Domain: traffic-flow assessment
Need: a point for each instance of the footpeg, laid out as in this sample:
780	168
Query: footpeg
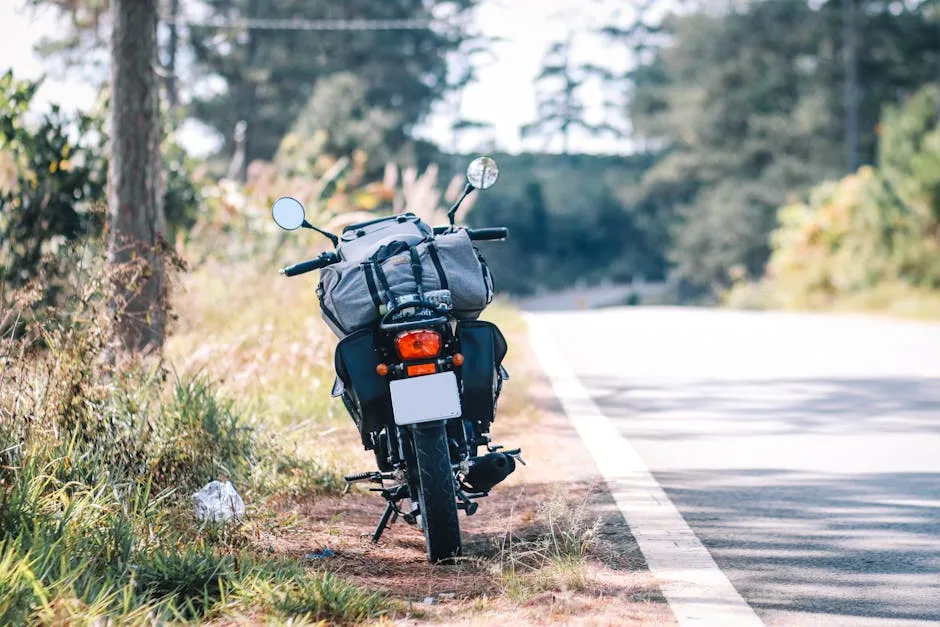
362	476
372	477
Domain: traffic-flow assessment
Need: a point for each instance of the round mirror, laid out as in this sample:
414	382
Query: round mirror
482	172
288	213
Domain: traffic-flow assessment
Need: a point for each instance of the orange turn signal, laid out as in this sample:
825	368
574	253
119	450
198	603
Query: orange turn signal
457	359
420	344
381	370
419	369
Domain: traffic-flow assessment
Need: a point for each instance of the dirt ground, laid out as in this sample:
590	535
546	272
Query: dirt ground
617	588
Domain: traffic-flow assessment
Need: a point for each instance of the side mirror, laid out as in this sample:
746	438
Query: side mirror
482	172
288	213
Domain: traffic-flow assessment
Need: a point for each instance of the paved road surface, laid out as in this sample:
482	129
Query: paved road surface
803	450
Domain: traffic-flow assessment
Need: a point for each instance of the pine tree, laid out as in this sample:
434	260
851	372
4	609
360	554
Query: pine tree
559	107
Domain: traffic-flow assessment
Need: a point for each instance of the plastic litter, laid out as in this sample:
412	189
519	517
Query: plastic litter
218	501
320	555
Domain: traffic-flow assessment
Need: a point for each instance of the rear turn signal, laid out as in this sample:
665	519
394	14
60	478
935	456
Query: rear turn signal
420	344
414	371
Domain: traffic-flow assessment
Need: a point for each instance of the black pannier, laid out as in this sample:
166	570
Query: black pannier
365	393
483	347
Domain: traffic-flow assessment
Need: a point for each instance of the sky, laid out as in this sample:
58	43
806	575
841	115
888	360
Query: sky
505	94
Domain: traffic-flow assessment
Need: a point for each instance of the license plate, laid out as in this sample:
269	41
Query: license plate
427	398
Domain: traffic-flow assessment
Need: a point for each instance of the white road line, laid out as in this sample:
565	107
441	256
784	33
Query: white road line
696	589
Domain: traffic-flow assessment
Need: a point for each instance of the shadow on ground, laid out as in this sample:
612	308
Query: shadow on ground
865	546
772	407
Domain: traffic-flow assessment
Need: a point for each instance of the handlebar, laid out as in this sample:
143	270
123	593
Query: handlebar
496	233
489	234
325	259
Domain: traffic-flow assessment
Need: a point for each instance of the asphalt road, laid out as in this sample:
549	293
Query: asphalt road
803	450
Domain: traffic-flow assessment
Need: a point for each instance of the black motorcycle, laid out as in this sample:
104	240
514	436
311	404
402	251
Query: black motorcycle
417	372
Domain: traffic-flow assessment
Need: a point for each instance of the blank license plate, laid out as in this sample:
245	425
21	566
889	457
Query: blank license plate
427	398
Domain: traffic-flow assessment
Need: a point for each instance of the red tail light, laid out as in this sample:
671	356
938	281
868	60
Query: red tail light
421	344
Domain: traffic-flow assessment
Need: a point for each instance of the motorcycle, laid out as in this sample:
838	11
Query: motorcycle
420	376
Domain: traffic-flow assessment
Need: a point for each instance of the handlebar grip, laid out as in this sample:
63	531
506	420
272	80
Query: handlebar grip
495	233
322	261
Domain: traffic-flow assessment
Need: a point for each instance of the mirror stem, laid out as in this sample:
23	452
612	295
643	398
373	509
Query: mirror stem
453	210
325	234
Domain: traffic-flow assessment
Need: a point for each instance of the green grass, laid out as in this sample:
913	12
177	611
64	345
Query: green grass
99	456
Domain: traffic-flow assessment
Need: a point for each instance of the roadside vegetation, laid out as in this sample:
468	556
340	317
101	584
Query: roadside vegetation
867	242
98	457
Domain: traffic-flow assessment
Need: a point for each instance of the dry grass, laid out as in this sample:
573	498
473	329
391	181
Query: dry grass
896	300
552	555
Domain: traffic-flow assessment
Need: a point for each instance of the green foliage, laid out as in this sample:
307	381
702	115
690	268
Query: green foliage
270	74
182	198
52	180
191	579
570	220
878	227
747	109
338	121
326	597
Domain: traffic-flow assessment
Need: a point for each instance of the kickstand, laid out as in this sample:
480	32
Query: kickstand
383	522
391	513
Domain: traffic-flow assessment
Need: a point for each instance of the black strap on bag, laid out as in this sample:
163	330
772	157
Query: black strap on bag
368	269
417	270
383	281
436	260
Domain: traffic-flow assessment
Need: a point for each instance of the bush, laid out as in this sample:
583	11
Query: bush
51	186
53	181
875	228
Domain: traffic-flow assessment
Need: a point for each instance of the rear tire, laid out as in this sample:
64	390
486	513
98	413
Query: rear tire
437	499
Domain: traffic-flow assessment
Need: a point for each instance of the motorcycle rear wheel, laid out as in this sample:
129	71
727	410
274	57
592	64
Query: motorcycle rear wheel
437	500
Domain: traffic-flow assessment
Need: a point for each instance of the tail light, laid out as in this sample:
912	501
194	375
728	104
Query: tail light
420	344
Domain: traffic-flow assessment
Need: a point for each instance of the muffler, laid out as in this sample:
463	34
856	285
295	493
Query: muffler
489	470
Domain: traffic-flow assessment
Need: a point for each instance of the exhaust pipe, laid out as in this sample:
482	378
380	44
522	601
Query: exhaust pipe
489	470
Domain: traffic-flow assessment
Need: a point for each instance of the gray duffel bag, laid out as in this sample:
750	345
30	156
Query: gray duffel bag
353	295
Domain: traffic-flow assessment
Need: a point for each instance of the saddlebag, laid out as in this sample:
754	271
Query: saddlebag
365	393
483	348
354	293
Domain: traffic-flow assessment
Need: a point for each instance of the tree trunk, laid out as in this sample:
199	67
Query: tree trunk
850	86
172	94
135	186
